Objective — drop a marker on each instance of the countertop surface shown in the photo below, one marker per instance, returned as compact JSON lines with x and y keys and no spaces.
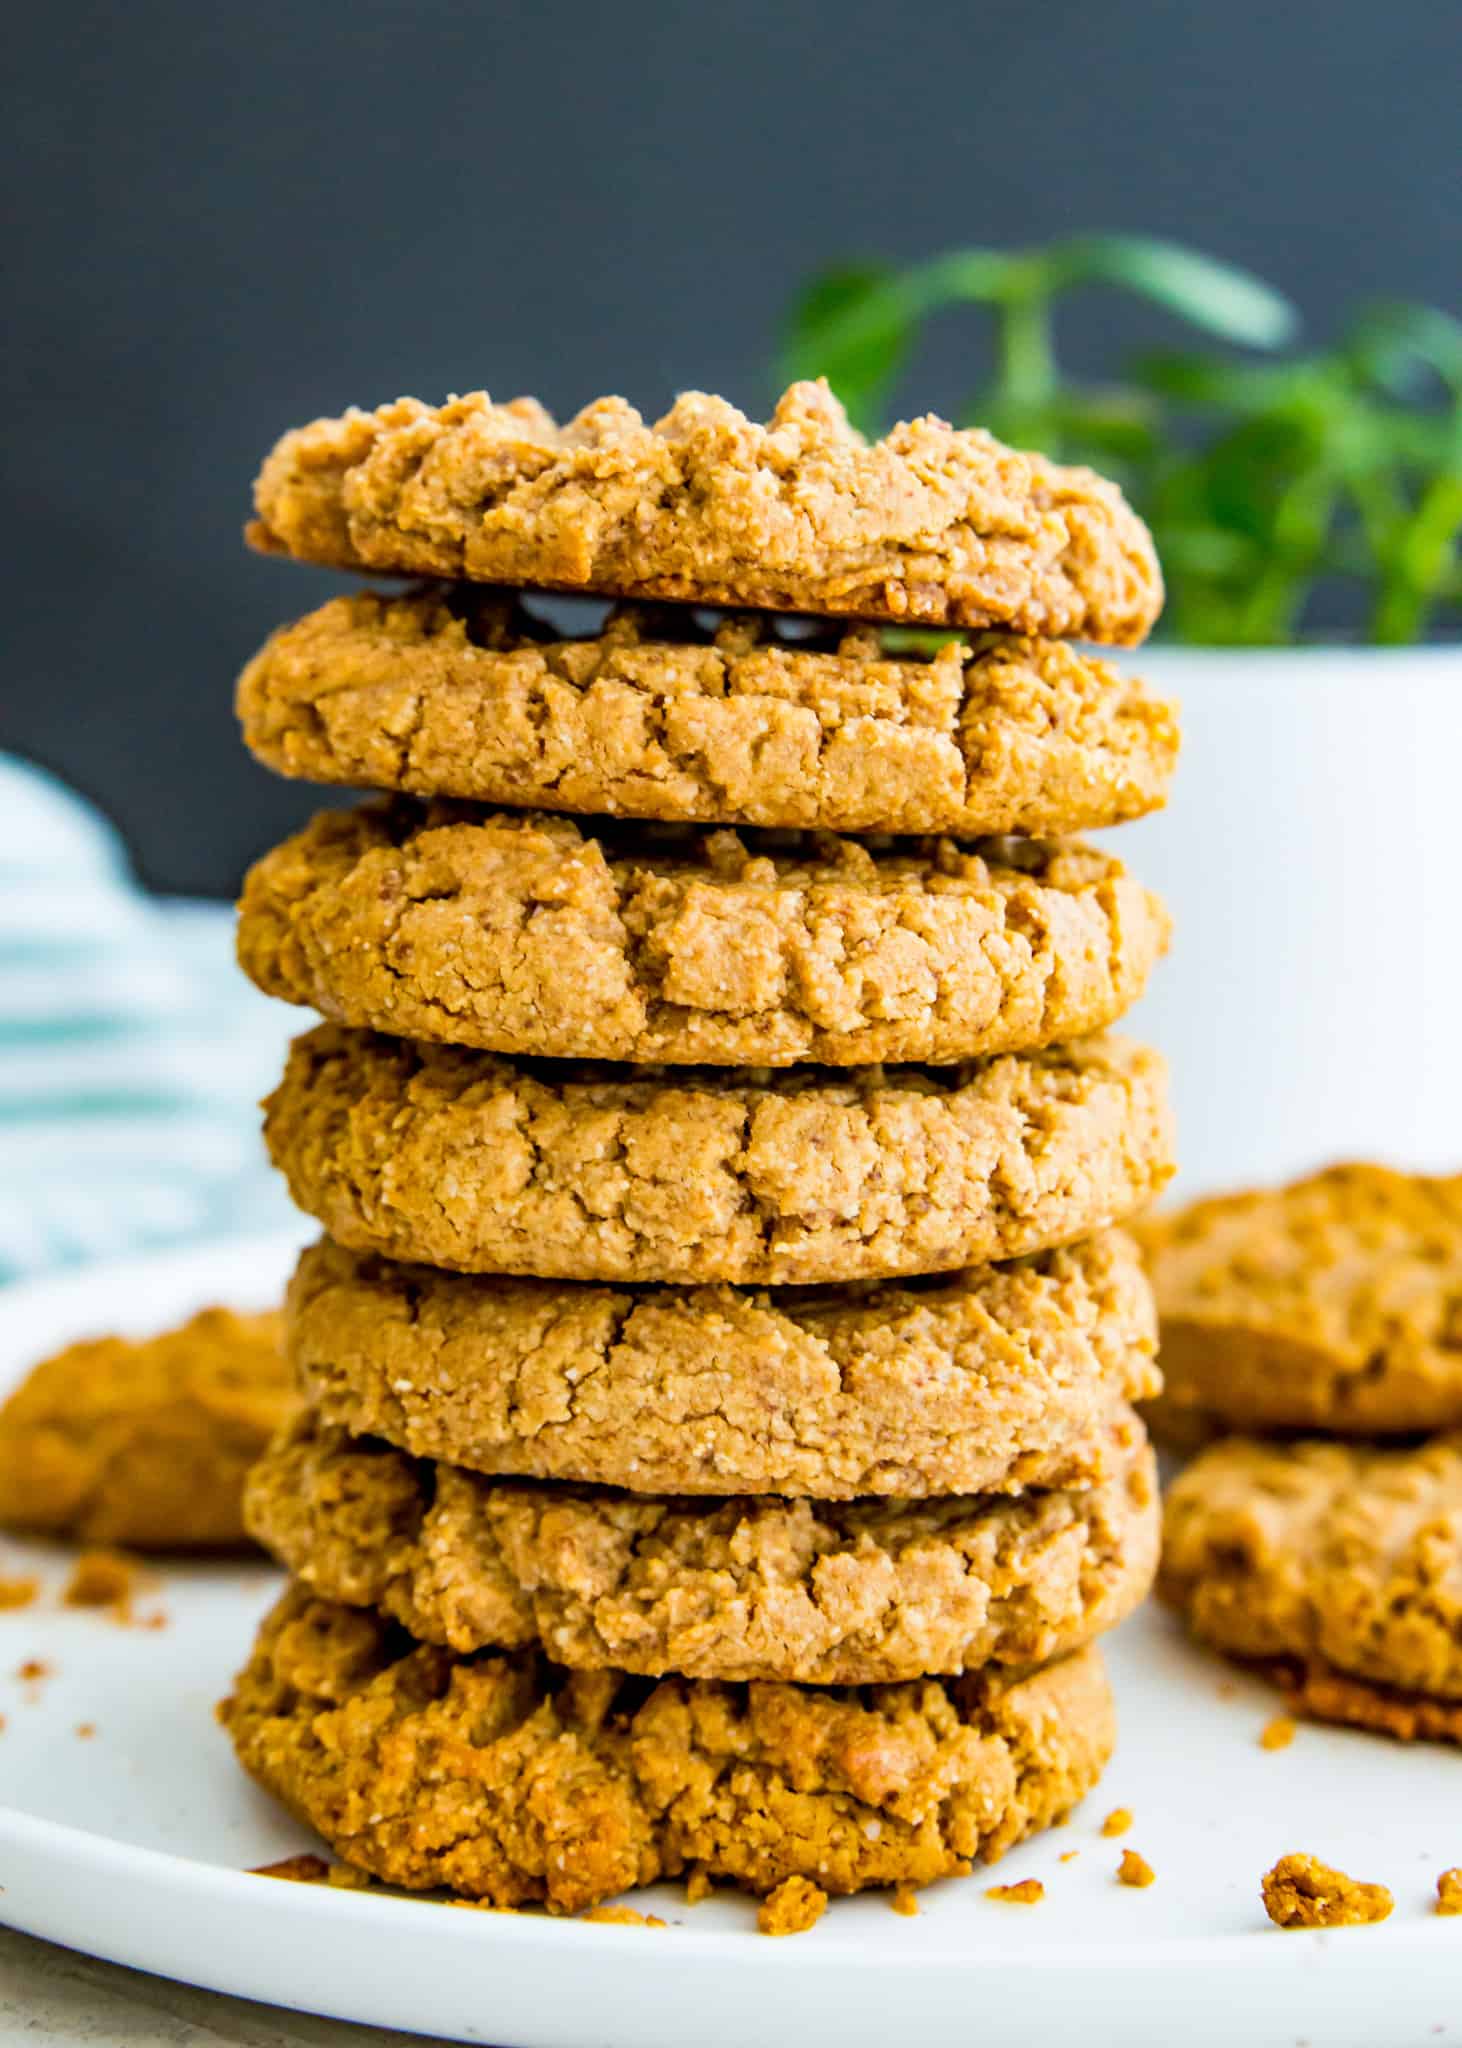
{"x":53,"y":1998}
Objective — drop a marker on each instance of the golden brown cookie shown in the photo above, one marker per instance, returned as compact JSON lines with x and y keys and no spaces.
{"x":145,"y":1444}
{"x":504,"y":1778}
{"x":460,"y":1159}
{"x":516,"y":932}
{"x":931,"y":524}
{"x":460,"y":692}
{"x":1333,"y":1304}
{"x":1340,"y":1564}
{"x":997,"y":1379}
{"x":856,"y":1593}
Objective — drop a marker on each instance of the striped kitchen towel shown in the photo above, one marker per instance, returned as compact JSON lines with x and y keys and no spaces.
{"x":132,"y":1051}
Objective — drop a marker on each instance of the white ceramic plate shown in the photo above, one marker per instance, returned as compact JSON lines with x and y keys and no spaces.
{"x":134,"y":1844}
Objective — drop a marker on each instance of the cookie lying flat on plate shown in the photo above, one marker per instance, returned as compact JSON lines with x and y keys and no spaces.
{"x":461,"y":1159}
{"x":1333,"y":1304}
{"x":507,"y":1779}
{"x":1339,"y":1564}
{"x":520,"y":933}
{"x":462,"y":693}
{"x":997,"y":1379}
{"x":860,"y":1593}
{"x":145,"y":1443}
{"x":930,"y":525}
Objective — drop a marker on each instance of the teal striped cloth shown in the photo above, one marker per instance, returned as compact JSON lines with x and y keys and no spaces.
{"x":132,"y":1050}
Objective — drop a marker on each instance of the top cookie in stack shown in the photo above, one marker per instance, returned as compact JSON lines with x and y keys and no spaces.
{"x":573,"y":1417}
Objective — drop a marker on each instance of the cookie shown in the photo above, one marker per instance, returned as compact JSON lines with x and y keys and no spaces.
{"x":858,"y":1593}
{"x":506,"y":1779}
{"x":462,"y":693}
{"x":1333,"y":1304}
{"x":517,"y":933}
{"x":1338,"y":1564}
{"x":930,"y":525}
{"x":145,"y":1444}
{"x":461,"y":1159}
{"x":1001,"y":1378}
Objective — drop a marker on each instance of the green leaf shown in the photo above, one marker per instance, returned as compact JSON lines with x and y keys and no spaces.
{"x":854,"y":326}
{"x":1216,"y":296}
{"x":1391,"y":341}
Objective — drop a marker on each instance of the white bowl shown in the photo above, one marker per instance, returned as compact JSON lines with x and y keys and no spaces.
{"x":1312,"y":1003}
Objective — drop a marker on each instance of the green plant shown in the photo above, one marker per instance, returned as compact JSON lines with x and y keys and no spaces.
{"x":1265,"y":482}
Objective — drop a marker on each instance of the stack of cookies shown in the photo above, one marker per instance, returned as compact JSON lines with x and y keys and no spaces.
{"x":719,"y":1454}
{"x":1322,"y":1323}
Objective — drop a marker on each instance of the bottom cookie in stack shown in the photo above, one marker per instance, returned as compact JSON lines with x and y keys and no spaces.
{"x":508,"y":1779}
{"x":528,"y":1682}
{"x":1332,"y":1559}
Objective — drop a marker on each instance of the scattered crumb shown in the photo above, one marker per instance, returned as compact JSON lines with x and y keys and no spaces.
{"x":621,"y":1916}
{"x":33,"y":1673}
{"x":17,"y":1593}
{"x":102,"y":1578}
{"x":1117,"y":1821}
{"x":1070,"y":1856}
{"x":346,"y":1878}
{"x":903,"y":1901}
{"x":1135,"y":1870}
{"x":1029,"y":1892}
{"x":305,"y":1869}
{"x":1278,"y":1733}
{"x":792,"y":1908}
{"x":154,"y":1618}
{"x":1301,"y":1892}
{"x":1449,"y":1892}
{"x":698,"y":1885}
{"x":2,"y":1724}
{"x":85,"y":1730}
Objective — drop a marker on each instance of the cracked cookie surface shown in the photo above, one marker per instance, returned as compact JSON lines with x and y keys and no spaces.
{"x":506,"y":1779}
{"x":866,"y":1592}
{"x":520,"y":933}
{"x":462,"y":1159}
{"x":998,"y":1379}
{"x":1332,"y":1304}
{"x":462,"y":693}
{"x":931,"y":525}
{"x":146,"y":1443}
{"x":1342,"y":1562}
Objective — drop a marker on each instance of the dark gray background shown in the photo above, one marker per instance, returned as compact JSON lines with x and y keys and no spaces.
{"x":226,"y":220}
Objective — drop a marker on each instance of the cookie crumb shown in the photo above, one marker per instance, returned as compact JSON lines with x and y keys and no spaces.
{"x":698,"y":1885}
{"x":1278,"y":1733}
{"x":101,"y":1578}
{"x":16,"y":1593}
{"x":306,"y":1869}
{"x":1069,"y":1856}
{"x":1449,"y":1892}
{"x":1117,"y":1821}
{"x":85,"y":1730}
{"x":156,"y":1618}
{"x":904,"y":1901}
{"x":34,"y":1671}
{"x":1029,"y":1892}
{"x":345,"y":1877}
{"x":1303,"y":1892}
{"x":621,"y":1916}
{"x":1135,"y":1870}
{"x":792,"y":1908}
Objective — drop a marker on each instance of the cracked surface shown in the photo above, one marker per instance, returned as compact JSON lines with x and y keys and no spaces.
{"x":999,"y":1379}
{"x":506,"y":1779}
{"x":862,"y":1593}
{"x":517,"y":933}
{"x":1328,"y":1554}
{"x":460,"y":692}
{"x":930,"y":525}
{"x":1332,"y":1304}
{"x":459,"y":1159}
{"x":145,"y":1444}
